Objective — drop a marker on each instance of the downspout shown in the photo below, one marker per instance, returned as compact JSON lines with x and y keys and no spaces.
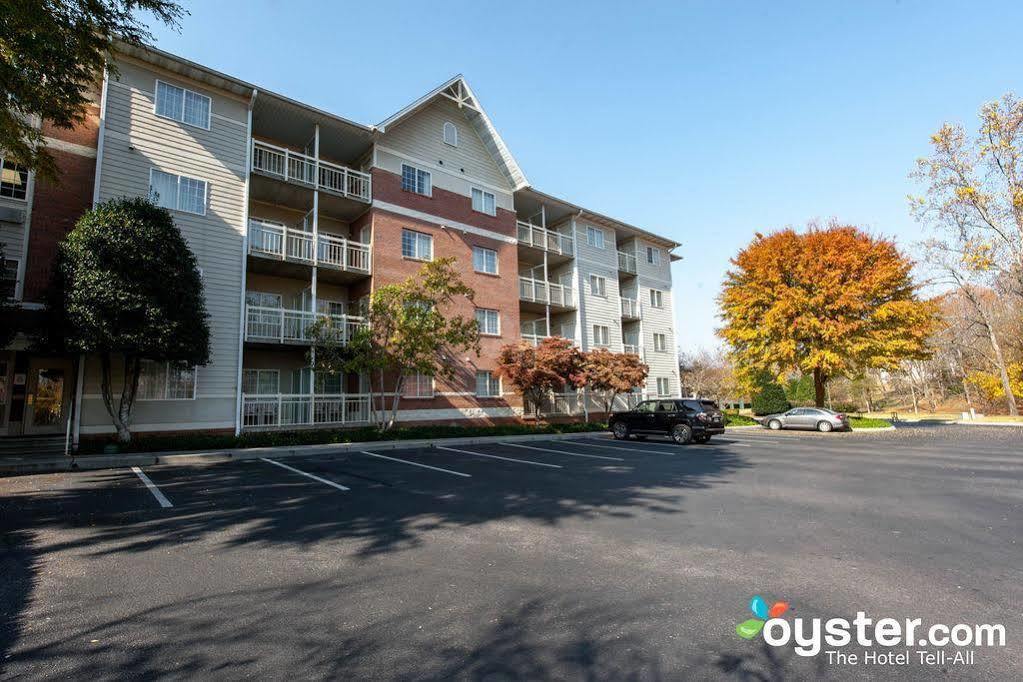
{"x":245,"y":266}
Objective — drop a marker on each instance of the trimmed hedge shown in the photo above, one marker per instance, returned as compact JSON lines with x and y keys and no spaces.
{"x":770,"y":400}
{"x":259,"y":439}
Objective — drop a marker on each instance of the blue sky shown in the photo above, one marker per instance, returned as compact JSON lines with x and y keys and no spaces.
{"x":703,"y":121}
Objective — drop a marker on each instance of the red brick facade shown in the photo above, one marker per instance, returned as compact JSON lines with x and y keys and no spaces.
{"x":498,"y":292}
{"x":57,"y":206}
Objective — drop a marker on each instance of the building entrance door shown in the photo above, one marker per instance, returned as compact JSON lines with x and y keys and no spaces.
{"x":46,"y":404}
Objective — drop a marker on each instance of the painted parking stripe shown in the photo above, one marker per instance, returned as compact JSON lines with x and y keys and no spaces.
{"x":160,"y":497}
{"x":672,"y":445}
{"x":562,"y":452}
{"x":332,"y":484}
{"x":416,"y":464}
{"x":627,"y":449}
{"x":507,"y":459}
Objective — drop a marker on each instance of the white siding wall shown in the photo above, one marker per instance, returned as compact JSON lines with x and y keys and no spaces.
{"x":13,"y":213}
{"x":593,"y":309}
{"x":136,"y":140}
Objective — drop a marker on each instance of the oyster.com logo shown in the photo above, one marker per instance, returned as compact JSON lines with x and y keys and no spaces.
{"x":748,"y":629}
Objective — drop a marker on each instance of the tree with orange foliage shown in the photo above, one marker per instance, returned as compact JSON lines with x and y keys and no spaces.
{"x":612,"y":373}
{"x":828,"y":302}
{"x":538,"y":371}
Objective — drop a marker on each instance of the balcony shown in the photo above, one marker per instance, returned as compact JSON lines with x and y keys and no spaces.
{"x":533,"y":332}
{"x":545,"y":293}
{"x":577,"y":402}
{"x":272,"y":240}
{"x":291,"y":410}
{"x":630,"y":308}
{"x":630,"y":348}
{"x":627,"y":262}
{"x":282,"y":326}
{"x":547,"y":240}
{"x":293,"y":167}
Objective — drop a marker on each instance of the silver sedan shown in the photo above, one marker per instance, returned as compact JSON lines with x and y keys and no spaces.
{"x":809,"y":418}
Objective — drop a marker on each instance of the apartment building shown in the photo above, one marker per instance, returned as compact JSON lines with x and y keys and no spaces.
{"x":294,"y":213}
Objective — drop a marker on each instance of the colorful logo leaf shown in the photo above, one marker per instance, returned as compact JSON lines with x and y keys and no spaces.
{"x":748,"y":629}
{"x":778,"y":609}
{"x":758,"y":606}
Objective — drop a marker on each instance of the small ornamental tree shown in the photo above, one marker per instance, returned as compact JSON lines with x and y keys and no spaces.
{"x":412,"y":328}
{"x":128,"y":288}
{"x":612,"y":373}
{"x":538,"y":371}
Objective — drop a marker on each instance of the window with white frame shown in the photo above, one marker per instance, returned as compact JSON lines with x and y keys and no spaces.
{"x":484,"y":202}
{"x":165,"y":381}
{"x":418,"y":385}
{"x":450,"y":134}
{"x":484,"y":260}
{"x":8,"y":278}
{"x":656,"y":298}
{"x":416,"y":180}
{"x":595,"y":237}
{"x":261,"y":381}
{"x":178,"y":192}
{"x":489,"y":321}
{"x":660,"y":342}
{"x":598,"y":286}
{"x":601,"y":335}
{"x":416,"y":245}
{"x":182,"y":105}
{"x":329,"y":383}
{"x":13,"y":180}
{"x":653,"y":256}
{"x":487,"y":385}
{"x":263,"y":299}
{"x":663,"y":388}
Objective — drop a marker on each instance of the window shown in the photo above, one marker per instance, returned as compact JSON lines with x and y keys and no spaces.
{"x":165,"y":381}
{"x":646,"y":406}
{"x":489,"y":321}
{"x":662,"y":386}
{"x":484,"y":260}
{"x":487,"y":385}
{"x":182,"y":105}
{"x":653,"y":256}
{"x":595,"y":237}
{"x":13,"y":180}
{"x":416,"y":245}
{"x":450,"y":134}
{"x":415,"y":180}
{"x":660,"y":342}
{"x":178,"y":192}
{"x":483,"y":202}
{"x":601,"y":335}
{"x":8,"y":279}
{"x":261,"y":381}
{"x":418,"y":385}
{"x":656,"y":298}
{"x":262,"y":299}
{"x":598,"y":286}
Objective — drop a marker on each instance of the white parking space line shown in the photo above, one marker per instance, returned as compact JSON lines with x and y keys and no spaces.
{"x":416,"y":464}
{"x":160,"y":497}
{"x":507,"y":459}
{"x":628,"y":449}
{"x":332,"y":484}
{"x":672,"y":445}
{"x":562,"y":452}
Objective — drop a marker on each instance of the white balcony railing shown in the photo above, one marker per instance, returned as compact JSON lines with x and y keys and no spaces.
{"x":285,"y":410}
{"x":291,"y":166}
{"x":533,"y":331}
{"x":627,"y":262}
{"x":539,"y":291}
{"x":576,"y":403}
{"x":630,"y":348}
{"x":548,"y":240}
{"x":630,"y":308}
{"x":287,"y":243}
{"x":280,"y":325}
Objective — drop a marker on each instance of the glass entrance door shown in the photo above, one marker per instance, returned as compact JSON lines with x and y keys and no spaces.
{"x":47,"y":398}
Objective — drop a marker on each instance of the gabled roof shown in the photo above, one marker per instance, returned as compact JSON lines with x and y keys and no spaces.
{"x":459,"y":92}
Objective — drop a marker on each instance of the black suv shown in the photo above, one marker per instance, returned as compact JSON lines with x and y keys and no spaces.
{"x":683,"y":420}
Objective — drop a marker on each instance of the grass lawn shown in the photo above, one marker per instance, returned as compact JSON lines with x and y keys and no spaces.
{"x":869,"y":423}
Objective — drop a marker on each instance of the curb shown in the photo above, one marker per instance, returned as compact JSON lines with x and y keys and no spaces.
{"x":92,"y":462}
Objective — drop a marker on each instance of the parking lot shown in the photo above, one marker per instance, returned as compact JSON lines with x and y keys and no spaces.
{"x":583,"y":558}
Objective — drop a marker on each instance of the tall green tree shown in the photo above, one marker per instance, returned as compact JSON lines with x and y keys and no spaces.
{"x":51,"y":54}
{"x":129,"y":290}
{"x":413,"y":328}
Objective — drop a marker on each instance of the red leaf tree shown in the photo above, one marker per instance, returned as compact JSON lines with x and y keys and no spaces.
{"x":612,"y":374}
{"x":537,"y":371}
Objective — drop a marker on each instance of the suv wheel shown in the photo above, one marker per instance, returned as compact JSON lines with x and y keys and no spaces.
{"x":681,"y":433}
{"x":824,"y":427}
{"x":620,"y":430}
{"x":774,"y":424}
